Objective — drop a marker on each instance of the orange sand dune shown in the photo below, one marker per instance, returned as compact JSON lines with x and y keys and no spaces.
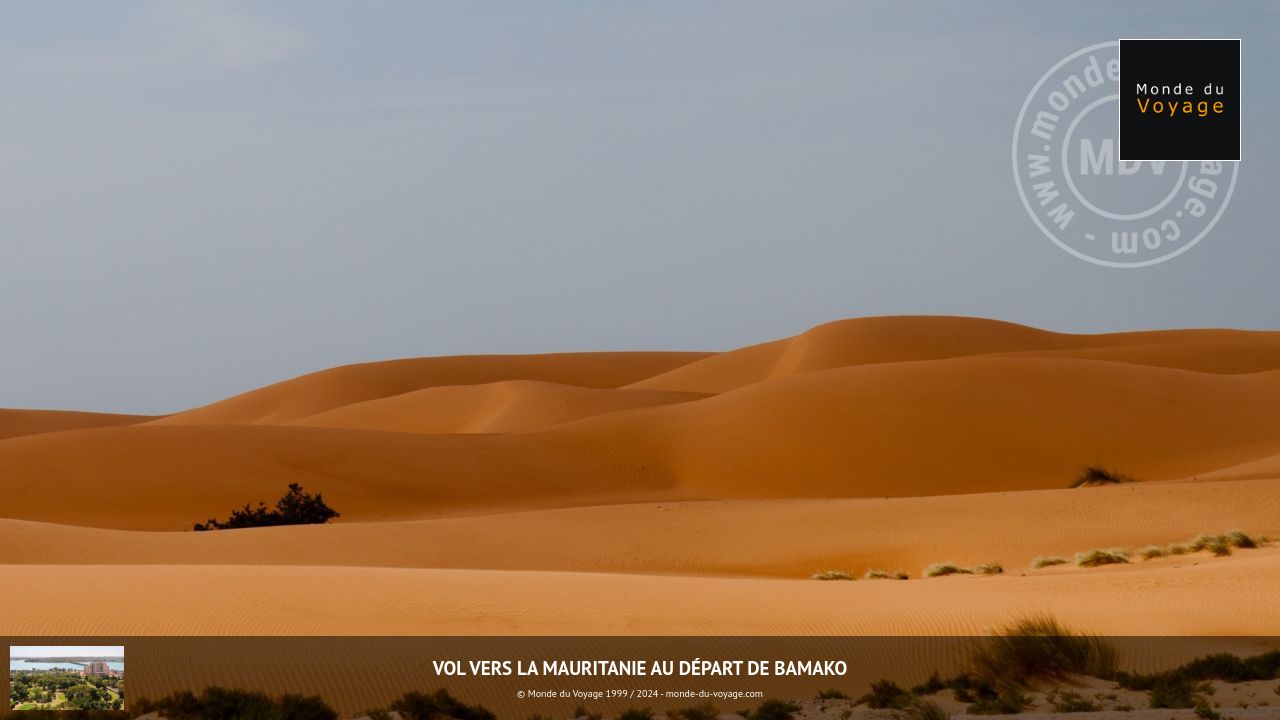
{"x":328,"y":389}
{"x":1229,"y":597}
{"x":859,"y":341}
{"x":165,"y":477}
{"x":16,"y":423}
{"x":962,"y":425}
{"x":943,"y":427}
{"x":651,"y":493}
{"x":502,"y":407}
{"x":865,"y":341}
{"x":722,"y":538}
{"x":1260,"y":353}
{"x":1266,"y":467}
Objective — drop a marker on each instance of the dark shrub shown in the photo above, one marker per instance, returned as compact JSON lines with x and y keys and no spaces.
{"x":295,"y":508}
{"x":775,"y":710}
{"x":1038,"y":648}
{"x":438,"y":705}
{"x":298,"y":707}
{"x":1066,"y":701}
{"x":1009,"y":702}
{"x":886,"y":694}
{"x":1173,"y":691}
{"x":1094,"y":475}
{"x":832,"y":694}
{"x":933,"y":685}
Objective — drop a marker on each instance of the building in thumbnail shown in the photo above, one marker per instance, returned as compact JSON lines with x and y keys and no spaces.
{"x":97,"y":668}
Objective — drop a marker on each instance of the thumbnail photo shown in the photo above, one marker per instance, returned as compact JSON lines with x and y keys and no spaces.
{"x":66,"y":677}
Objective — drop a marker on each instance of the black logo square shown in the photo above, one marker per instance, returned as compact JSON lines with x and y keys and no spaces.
{"x":1179,"y":99}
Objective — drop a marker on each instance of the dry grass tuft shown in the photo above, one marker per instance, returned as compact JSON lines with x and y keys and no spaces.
{"x":1151,"y":552}
{"x":1039,"y":648}
{"x":1099,"y":557}
{"x":876,"y":574}
{"x":943,"y":569}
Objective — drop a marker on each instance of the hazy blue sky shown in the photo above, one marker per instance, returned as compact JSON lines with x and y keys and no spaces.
{"x":36,"y":651}
{"x":203,"y":197}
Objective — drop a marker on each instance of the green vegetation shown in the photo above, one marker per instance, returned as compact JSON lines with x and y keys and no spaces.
{"x":439,"y":704}
{"x":1039,"y":648}
{"x":1207,"y":713}
{"x":775,"y":710}
{"x":886,"y":694}
{"x":217,"y":703}
{"x":1095,"y":475}
{"x":990,"y":569}
{"x":1008,"y":702}
{"x":832,"y":575}
{"x":1220,"y":544}
{"x":64,"y":690}
{"x":295,"y":508}
{"x":943,"y":569}
{"x":877,"y":574}
{"x":1151,"y":552}
{"x":1096,"y":558}
{"x":1064,"y":701}
{"x":926,"y":710}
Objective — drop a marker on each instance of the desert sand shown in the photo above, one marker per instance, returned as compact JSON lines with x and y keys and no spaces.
{"x":673,"y":493}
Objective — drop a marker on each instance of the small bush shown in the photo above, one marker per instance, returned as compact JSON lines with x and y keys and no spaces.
{"x":1219,"y":545}
{"x":1066,"y":701}
{"x":1178,"y":549}
{"x":1045,"y":561}
{"x":832,"y":575}
{"x":636,"y":714}
{"x":933,"y":685}
{"x":926,"y":710}
{"x":1242,"y":540}
{"x":775,"y":710}
{"x":217,"y":703}
{"x":1207,"y":713}
{"x":1009,"y":702}
{"x":886,"y":694}
{"x":1173,"y":691}
{"x":295,"y":508}
{"x":1151,"y":552}
{"x":1039,"y":648}
{"x":439,"y":704}
{"x":1095,"y":475}
{"x":1096,"y":558}
{"x":946,"y":568}
{"x":832,"y":694}
{"x":990,"y":569}
{"x":875,"y":574}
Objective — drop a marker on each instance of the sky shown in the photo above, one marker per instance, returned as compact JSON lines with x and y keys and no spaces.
{"x":204,"y":197}
{"x":48,"y":651}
